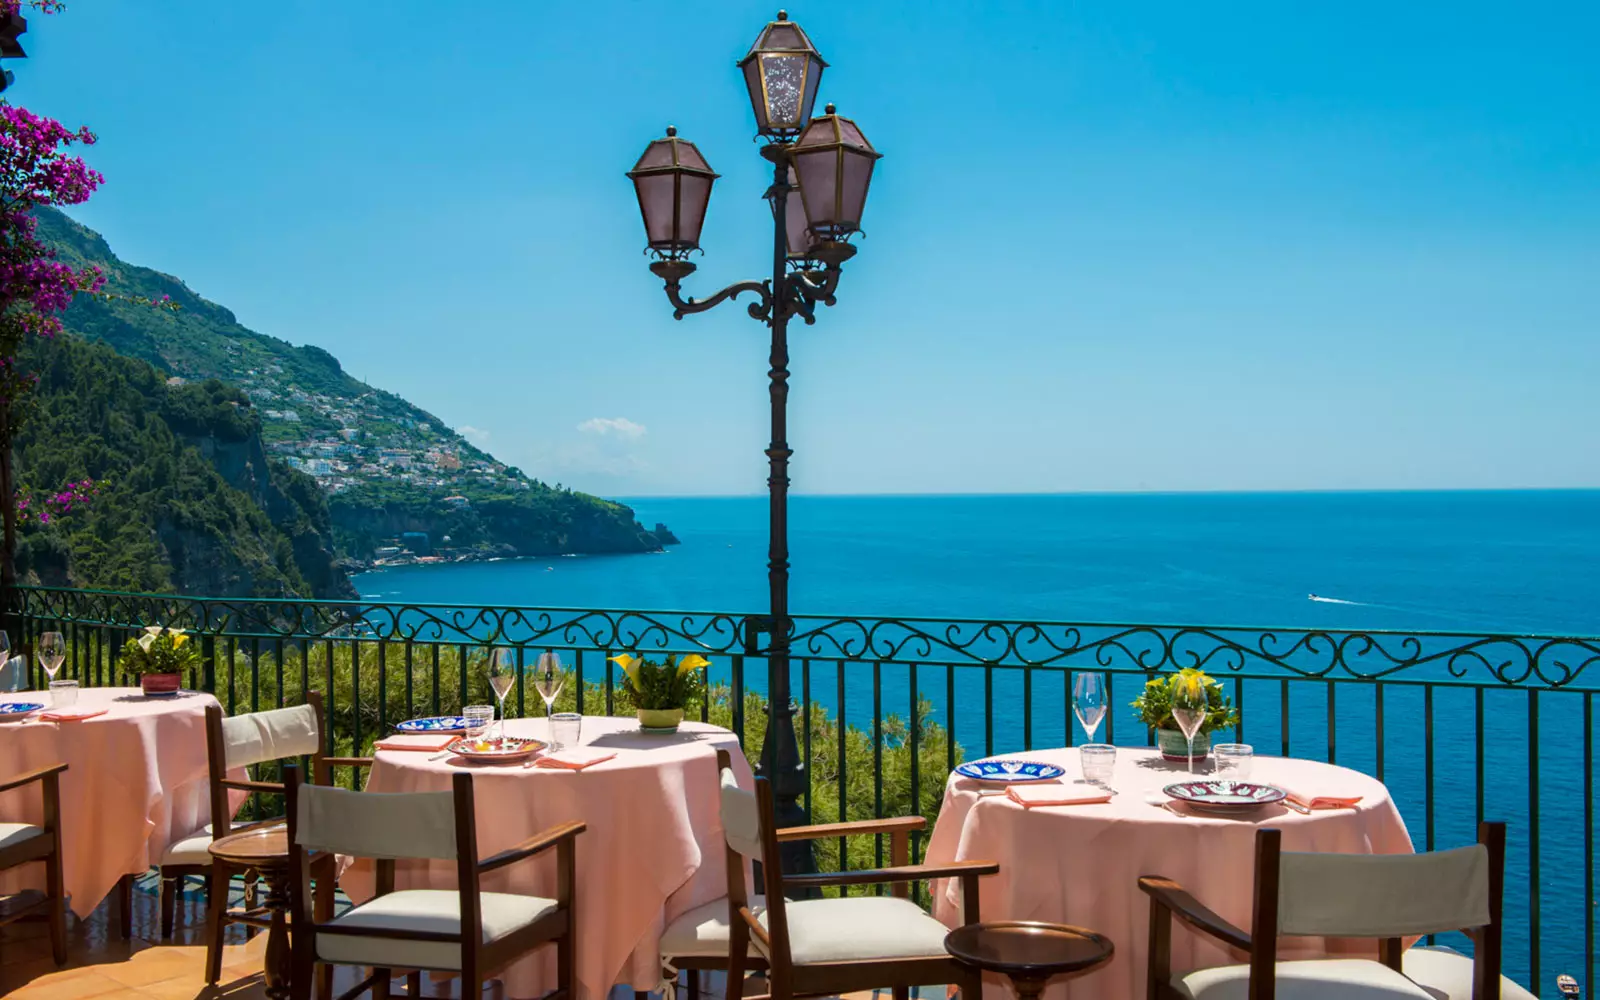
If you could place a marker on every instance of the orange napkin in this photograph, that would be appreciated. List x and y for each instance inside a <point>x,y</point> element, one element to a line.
<point>1029,796</point>
<point>575,759</point>
<point>1323,801</point>
<point>71,714</point>
<point>417,741</point>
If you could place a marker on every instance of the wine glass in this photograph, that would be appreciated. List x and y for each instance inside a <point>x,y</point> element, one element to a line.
<point>1189,709</point>
<point>502,674</point>
<point>1089,698</point>
<point>548,679</point>
<point>52,651</point>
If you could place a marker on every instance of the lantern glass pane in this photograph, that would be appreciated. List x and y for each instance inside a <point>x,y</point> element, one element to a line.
<point>797,234</point>
<point>849,133</point>
<point>656,195</point>
<point>813,84</point>
<point>695,193</point>
<point>853,193</point>
<point>785,78</point>
<point>752,82</point>
<point>689,156</point>
<point>817,172</point>
<point>783,36</point>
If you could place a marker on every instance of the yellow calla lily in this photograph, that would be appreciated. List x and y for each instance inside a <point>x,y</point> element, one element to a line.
<point>178,639</point>
<point>694,661</point>
<point>630,666</point>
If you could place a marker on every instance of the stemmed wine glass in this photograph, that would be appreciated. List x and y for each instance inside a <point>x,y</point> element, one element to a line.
<point>547,680</point>
<point>502,674</point>
<point>1189,708</point>
<point>52,652</point>
<point>1089,696</point>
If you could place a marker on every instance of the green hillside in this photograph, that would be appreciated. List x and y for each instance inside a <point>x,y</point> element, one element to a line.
<point>387,467</point>
<point>191,504</point>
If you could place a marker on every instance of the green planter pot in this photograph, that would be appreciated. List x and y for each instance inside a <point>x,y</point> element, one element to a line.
<point>1175,747</point>
<point>666,719</point>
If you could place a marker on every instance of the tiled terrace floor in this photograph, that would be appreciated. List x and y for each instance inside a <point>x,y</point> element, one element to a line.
<point>104,967</point>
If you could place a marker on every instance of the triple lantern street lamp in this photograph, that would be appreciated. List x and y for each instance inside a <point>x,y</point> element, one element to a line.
<point>827,163</point>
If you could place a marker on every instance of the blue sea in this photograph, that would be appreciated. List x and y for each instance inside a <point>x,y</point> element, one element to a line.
<point>1474,562</point>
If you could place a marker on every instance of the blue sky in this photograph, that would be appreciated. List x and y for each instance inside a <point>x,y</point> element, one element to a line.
<point>1165,246</point>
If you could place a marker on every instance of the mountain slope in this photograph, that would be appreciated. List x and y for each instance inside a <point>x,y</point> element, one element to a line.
<point>388,467</point>
<point>191,503</point>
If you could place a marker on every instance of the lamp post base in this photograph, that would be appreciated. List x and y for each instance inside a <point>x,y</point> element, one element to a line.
<point>781,765</point>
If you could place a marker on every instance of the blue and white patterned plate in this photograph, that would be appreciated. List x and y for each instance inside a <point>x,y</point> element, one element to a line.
<point>1225,796</point>
<point>1009,772</point>
<point>10,711</point>
<point>437,724</point>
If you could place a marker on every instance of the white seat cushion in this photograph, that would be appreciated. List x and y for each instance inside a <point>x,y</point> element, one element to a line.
<point>1316,979</point>
<point>16,833</point>
<point>1447,973</point>
<point>703,931</point>
<point>191,850</point>
<point>431,910</point>
<point>860,927</point>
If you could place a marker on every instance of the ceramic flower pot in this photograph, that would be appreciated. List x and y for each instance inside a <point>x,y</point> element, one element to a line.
<point>1175,747</point>
<point>660,718</point>
<point>159,685</point>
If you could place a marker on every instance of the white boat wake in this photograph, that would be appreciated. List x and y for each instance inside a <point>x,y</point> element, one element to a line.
<point>1335,600</point>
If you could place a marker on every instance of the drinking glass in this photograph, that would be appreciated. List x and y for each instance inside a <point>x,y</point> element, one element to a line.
<point>1089,697</point>
<point>1098,760</point>
<point>565,730</point>
<point>1189,710</point>
<point>52,651</point>
<point>63,694</point>
<point>548,679</point>
<point>502,674</point>
<point>1234,760</point>
<point>479,718</point>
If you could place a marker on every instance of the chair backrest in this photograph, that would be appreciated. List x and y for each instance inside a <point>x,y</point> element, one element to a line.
<point>389,825</point>
<point>274,735</point>
<point>741,815</point>
<point>1387,897</point>
<point>1383,895</point>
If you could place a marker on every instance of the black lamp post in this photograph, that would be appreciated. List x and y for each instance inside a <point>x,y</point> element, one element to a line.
<point>828,162</point>
<point>12,26</point>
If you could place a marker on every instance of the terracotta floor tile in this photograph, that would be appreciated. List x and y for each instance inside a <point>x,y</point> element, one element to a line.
<point>69,984</point>
<point>155,965</point>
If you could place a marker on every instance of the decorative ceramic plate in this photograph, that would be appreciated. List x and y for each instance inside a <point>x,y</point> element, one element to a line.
<point>1225,796</point>
<point>1009,772</point>
<point>11,711</point>
<point>439,724</point>
<point>498,752</point>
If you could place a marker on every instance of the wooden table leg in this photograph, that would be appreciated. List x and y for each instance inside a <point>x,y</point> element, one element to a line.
<point>278,968</point>
<point>1028,987</point>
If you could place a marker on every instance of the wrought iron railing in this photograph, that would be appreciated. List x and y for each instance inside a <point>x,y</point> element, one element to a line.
<point>1459,726</point>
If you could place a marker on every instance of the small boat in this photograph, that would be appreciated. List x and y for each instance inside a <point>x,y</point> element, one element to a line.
<point>1311,597</point>
<point>1568,987</point>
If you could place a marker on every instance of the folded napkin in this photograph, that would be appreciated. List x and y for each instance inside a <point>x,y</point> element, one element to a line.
<point>574,759</point>
<point>71,714</point>
<point>1323,801</point>
<point>1029,796</point>
<point>417,741</point>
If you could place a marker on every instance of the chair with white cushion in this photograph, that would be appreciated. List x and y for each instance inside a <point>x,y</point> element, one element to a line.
<point>233,744</point>
<point>1385,896</point>
<point>842,944</point>
<point>464,930</point>
<point>24,843</point>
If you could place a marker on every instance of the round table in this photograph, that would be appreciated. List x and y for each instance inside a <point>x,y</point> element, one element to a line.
<point>266,852</point>
<point>653,849</point>
<point>1079,865</point>
<point>1028,952</point>
<point>136,782</point>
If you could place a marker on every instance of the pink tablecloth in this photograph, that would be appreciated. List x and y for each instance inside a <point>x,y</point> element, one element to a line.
<point>1079,864</point>
<point>136,782</point>
<point>653,848</point>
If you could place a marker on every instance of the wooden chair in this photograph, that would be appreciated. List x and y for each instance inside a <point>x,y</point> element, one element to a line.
<point>849,943</point>
<point>1383,896</point>
<point>233,743</point>
<point>466,931</point>
<point>22,843</point>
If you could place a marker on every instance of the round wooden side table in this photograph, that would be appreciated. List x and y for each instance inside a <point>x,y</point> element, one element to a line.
<point>265,852</point>
<point>1031,953</point>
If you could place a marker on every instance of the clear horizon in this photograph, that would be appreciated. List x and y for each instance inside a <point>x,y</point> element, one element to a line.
<point>1169,250</point>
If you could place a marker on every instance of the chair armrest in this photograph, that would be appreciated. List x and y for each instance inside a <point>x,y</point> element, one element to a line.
<point>905,873</point>
<point>541,841</point>
<point>270,787</point>
<point>1174,897</point>
<point>32,776</point>
<point>898,824</point>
